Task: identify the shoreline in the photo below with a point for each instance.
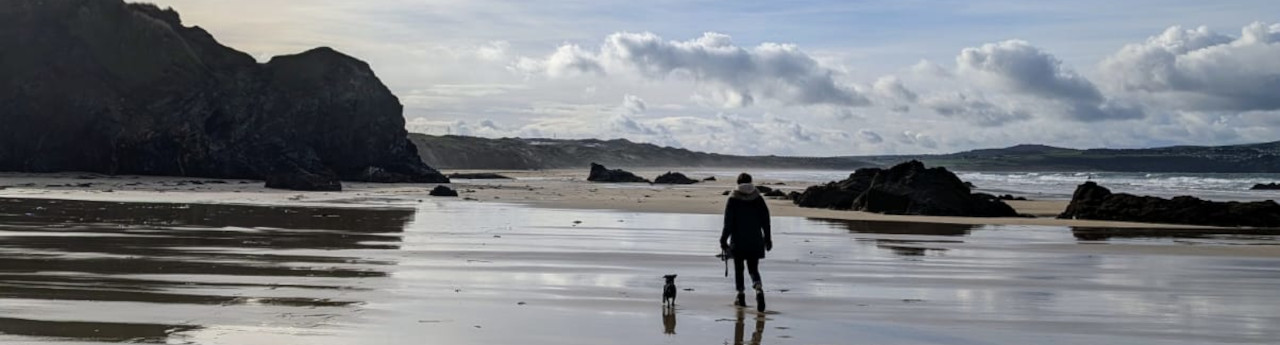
(555, 189)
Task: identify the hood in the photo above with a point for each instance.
(746, 191)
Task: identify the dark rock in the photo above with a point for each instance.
(479, 176)
(1266, 186)
(775, 194)
(908, 188)
(443, 191)
(108, 87)
(1091, 201)
(709, 179)
(673, 178)
(725, 193)
(764, 190)
(970, 185)
(793, 195)
(1009, 197)
(601, 174)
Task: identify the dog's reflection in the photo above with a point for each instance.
(669, 319)
(741, 324)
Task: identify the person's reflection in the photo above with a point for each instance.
(738, 329)
(669, 319)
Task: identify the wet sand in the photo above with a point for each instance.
(559, 189)
(452, 271)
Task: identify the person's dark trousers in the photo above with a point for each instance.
(753, 266)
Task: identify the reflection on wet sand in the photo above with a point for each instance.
(740, 325)
(100, 331)
(669, 320)
(900, 228)
(1103, 234)
(56, 252)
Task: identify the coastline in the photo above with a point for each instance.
(555, 189)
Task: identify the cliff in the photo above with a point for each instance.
(109, 87)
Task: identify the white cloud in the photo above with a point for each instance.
(972, 109)
(1203, 70)
(493, 51)
(732, 76)
(891, 87)
(1018, 68)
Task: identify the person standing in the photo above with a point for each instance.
(746, 236)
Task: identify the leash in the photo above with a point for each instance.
(724, 257)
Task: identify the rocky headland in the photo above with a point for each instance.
(108, 87)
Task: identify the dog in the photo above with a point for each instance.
(669, 290)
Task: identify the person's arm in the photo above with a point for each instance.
(764, 221)
(728, 224)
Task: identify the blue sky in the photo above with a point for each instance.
(800, 77)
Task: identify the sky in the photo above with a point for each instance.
(809, 78)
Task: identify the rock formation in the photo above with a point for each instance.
(908, 188)
(1266, 186)
(1091, 201)
(601, 174)
(673, 178)
(443, 191)
(115, 88)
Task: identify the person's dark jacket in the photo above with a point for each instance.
(746, 224)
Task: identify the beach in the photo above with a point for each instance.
(549, 258)
(561, 189)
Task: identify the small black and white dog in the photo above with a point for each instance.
(669, 290)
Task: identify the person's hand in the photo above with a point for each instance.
(724, 246)
(768, 244)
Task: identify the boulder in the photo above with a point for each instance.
(907, 188)
(776, 194)
(764, 190)
(1010, 197)
(443, 191)
(601, 174)
(109, 87)
(1266, 186)
(674, 178)
(709, 179)
(1092, 201)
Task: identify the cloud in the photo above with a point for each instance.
(918, 139)
(493, 51)
(1019, 68)
(632, 105)
(891, 87)
(870, 136)
(929, 69)
(1203, 70)
(731, 76)
(974, 110)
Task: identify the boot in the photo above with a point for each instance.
(741, 301)
(759, 296)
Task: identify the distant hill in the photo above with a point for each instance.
(459, 152)
(1250, 158)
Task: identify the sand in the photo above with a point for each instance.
(449, 271)
(552, 259)
(562, 189)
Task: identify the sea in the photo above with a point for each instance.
(1060, 185)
